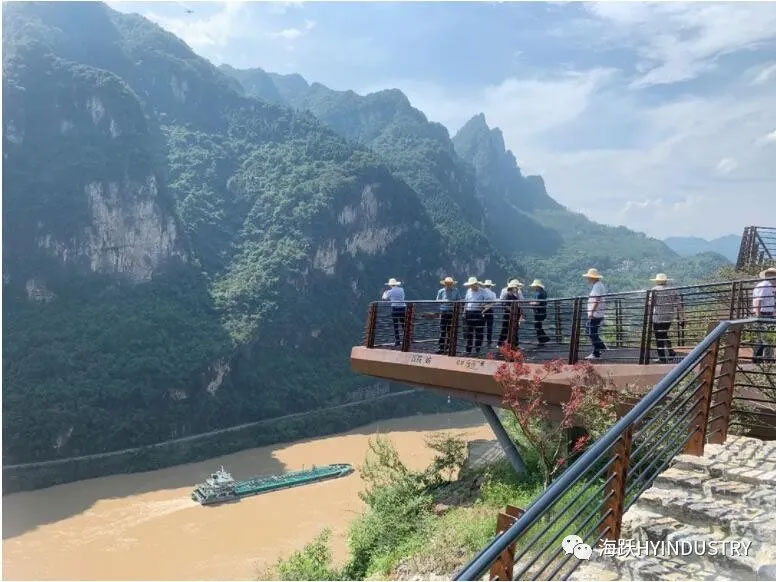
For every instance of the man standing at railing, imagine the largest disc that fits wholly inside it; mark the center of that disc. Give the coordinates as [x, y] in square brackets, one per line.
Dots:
[487, 312]
[473, 319]
[764, 306]
[666, 306]
[447, 294]
[395, 294]
[595, 312]
[540, 310]
[509, 294]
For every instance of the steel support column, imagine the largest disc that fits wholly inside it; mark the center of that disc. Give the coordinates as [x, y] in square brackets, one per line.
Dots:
[510, 450]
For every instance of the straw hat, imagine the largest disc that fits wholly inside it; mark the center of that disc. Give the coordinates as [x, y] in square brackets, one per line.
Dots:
[513, 284]
[661, 278]
[471, 281]
[768, 273]
[592, 274]
[448, 281]
[537, 283]
[393, 282]
[488, 283]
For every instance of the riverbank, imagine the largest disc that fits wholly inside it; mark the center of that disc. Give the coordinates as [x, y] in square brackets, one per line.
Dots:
[144, 526]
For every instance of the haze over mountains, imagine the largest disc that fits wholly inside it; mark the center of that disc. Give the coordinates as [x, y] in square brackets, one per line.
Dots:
[188, 248]
[686, 246]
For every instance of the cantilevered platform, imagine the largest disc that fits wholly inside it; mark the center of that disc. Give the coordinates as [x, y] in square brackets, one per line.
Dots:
[474, 378]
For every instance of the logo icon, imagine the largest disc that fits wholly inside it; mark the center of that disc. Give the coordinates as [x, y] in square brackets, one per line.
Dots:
[573, 544]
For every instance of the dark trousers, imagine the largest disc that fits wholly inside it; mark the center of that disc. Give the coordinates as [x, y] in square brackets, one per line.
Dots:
[762, 351]
[593, 327]
[473, 330]
[541, 337]
[489, 326]
[397, 314]
[502, 338]
[445, 331]
[664, 350]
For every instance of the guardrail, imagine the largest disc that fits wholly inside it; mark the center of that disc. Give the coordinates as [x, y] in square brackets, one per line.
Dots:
[633, 329]
[695, 403]
[757, 249]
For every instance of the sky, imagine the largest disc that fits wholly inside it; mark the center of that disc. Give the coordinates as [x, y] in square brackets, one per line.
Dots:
[657, 116]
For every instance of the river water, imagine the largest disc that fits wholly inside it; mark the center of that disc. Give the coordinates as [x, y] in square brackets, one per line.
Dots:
[145, 525]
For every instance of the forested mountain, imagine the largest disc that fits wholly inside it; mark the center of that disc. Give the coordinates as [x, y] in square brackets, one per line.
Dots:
[177, 256]
[686, 246]
[188, 248]
[536, 236]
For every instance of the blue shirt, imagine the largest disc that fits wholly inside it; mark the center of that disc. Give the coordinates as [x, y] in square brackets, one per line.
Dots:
[396, 296]
[445, 294]
[473, 298]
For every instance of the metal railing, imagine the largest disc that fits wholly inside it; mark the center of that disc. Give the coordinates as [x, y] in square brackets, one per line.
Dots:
[692, 405]
[758, 248]
[633, 329]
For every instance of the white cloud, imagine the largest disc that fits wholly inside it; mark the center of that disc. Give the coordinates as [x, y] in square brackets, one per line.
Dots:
[291, 34]
[680, 41]
[726, 165]
[765, 74]
[205, 32]
[771, 137]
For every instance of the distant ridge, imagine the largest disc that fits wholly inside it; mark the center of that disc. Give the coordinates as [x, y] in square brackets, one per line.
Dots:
[686, 246]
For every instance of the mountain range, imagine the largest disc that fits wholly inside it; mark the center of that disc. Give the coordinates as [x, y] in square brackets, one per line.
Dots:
[686, 246]
[189, 247]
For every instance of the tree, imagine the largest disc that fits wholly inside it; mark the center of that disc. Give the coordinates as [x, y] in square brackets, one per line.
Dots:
[592, 404]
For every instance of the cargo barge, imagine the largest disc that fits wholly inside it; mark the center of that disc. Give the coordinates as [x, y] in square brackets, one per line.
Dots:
[221, 487]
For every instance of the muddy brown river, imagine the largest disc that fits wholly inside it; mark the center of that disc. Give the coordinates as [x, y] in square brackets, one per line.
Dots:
[145, 525]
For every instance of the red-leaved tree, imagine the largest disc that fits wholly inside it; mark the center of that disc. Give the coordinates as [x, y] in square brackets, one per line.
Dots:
[592, 404]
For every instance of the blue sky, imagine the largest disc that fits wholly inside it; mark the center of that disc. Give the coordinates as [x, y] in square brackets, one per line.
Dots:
[660, 117]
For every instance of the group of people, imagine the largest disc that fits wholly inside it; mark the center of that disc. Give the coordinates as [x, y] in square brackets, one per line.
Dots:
[481, 304]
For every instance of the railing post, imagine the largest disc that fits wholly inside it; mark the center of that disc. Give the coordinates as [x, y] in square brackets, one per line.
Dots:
[613, 507]
[575, 325]
[733, 302]
[646, 330]
[371, 325]
[718, 428]
[408, 317]
[514, 324]
[452, 333]
[743, 249]
[503, 567]
[558, 324]
[700, 415]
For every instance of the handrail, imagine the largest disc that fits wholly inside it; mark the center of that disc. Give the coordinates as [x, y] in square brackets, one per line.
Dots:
[477, 566]
[556, 327]
[758, 248]
[572, 297]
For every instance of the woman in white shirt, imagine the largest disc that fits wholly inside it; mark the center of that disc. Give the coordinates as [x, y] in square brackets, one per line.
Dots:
[764, 306]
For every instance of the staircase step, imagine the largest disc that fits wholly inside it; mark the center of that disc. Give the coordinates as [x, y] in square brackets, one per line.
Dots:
[698, 510]
[745, 472]
[755, 495]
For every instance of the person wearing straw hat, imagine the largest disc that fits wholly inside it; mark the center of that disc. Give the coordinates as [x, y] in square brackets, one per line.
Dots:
[473, 320]
[395, 294]
[487, 312]
[666, 307]
[540, 310]
[595, 312]
[447, 295]
[510, 295]
[764, 306]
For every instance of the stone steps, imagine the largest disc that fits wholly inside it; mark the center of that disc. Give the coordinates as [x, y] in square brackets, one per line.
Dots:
[728, 495]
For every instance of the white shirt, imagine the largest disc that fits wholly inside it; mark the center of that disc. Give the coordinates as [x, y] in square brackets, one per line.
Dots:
[396, 296]
[596, 292]
[472, 298]
[765, 292]
[490, 295]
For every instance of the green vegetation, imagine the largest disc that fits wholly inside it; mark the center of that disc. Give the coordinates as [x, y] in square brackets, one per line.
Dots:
[415, 520]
